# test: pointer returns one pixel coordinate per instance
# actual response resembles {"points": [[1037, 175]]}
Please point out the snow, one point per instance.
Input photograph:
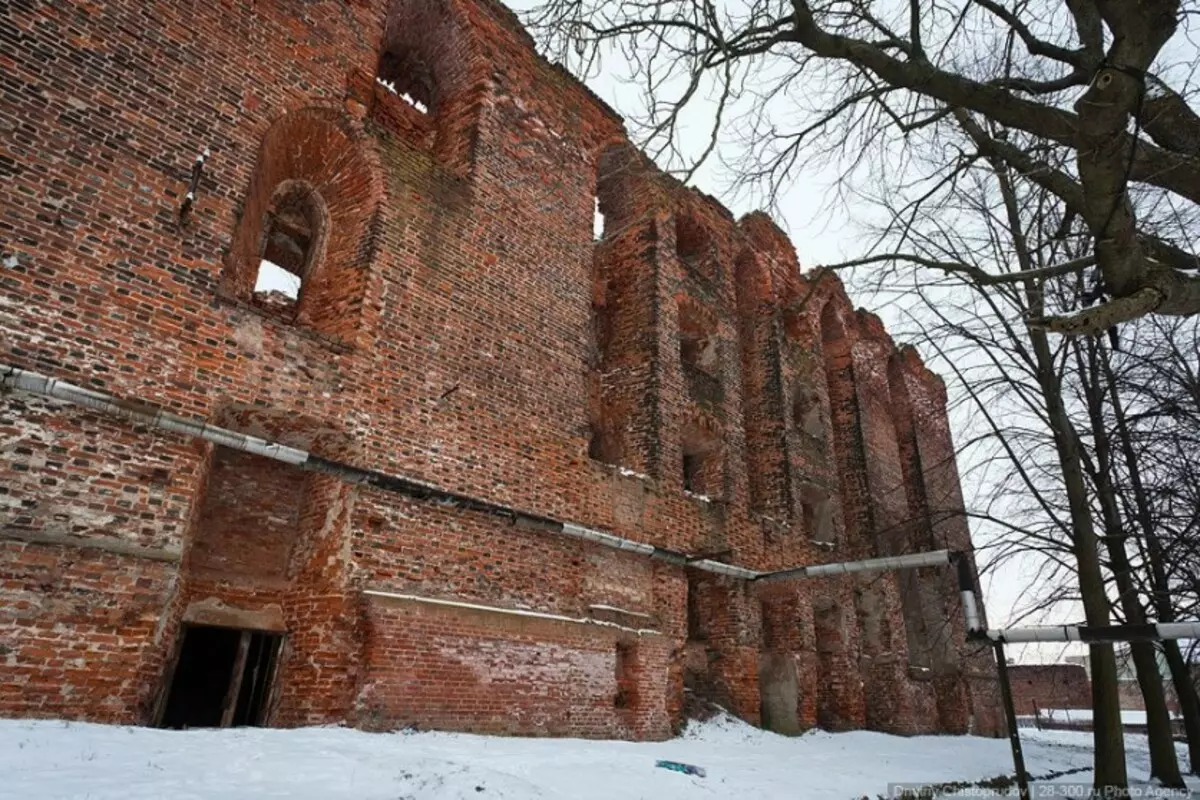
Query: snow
{"points": [[405, 96], [1085, 715], [47, 760]]}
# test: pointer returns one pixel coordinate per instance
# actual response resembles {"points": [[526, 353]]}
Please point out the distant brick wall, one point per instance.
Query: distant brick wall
{"points": [[456, 322], [1049, 686], [1132, 700]]}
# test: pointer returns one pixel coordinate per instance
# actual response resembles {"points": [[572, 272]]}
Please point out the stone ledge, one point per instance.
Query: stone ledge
{"points": [[113, 546], [397, 597]]}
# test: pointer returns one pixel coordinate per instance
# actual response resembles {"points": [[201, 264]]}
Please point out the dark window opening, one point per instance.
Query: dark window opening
{"points": [[290, 244], [695, 624], [700, 461], [625, 674], [693, 246], [692, 464], [222, 678], [596, 446], [603, 446], [408, 78]]}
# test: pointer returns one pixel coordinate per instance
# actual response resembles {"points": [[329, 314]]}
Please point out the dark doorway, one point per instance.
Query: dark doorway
{"points": [[222, 678]]}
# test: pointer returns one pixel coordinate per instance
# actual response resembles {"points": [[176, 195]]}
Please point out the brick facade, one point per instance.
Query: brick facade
{"points": [[1049, 686], [677, 382]]}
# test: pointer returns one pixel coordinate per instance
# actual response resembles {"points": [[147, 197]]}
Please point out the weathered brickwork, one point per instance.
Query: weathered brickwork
{"points": [[1042, 687], [676, 381]]}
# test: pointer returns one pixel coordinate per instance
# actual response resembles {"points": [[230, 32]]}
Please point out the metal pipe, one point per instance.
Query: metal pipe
{"points": [[189, 199], [150, 416], [966, 590], [935, 558], [733, 571], [1149, 632], [154, 417]]}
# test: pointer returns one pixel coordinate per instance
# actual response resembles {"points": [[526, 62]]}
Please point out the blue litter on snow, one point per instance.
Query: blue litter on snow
{"points": [[686, 769]]}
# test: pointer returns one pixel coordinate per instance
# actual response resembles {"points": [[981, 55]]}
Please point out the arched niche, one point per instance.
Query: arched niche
{"points": [[307, 212]]}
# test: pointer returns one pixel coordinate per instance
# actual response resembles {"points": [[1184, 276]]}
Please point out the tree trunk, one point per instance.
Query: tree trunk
{"points": [[1189, 703], [1181, 677], [1163, 763], [1108, 735]]}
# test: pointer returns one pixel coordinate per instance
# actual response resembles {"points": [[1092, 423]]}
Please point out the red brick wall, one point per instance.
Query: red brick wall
{"points": [[250, 515], [1132, 699], [1049, 686], [460, 326], [438, 666]]}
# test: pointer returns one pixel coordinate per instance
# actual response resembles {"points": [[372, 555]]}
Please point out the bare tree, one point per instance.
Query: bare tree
{"points": [[1042, 154], [1027, 389], [1155, 402], [1097, 392], [1051, 87]]}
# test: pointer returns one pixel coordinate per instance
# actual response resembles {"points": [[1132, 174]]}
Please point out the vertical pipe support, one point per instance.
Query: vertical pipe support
{"points": [[189, 199], [966, 590], [1010, 712]]}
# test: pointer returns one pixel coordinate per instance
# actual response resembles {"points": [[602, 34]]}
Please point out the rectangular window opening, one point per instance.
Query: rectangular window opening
{"points": [[626, 679], [695, 621], [692, 464]]}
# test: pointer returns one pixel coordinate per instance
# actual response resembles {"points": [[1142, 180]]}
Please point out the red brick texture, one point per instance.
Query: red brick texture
{"points": [[1049, 686], [677, 382]]}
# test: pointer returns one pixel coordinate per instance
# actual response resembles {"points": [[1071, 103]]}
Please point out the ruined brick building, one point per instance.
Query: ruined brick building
{"points": [[1039, 687], [498, 375]]}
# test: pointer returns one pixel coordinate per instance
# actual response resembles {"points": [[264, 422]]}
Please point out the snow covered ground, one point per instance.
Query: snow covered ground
{"points": [[1085, 715], [44, 760]]}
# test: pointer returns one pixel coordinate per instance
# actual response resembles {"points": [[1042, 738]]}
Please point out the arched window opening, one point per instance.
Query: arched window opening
{"points": [[292, 237], [407, 77], [817, 511]]}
